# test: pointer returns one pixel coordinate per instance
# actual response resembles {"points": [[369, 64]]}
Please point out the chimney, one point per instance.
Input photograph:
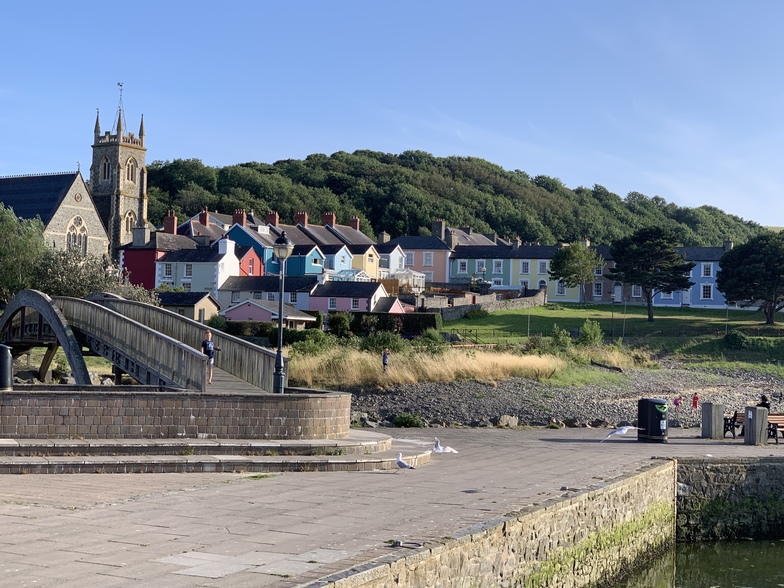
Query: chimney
{"points": [[170, 223], [383, 237], [239, 218], [451, 239], [225, 246], [586, 242], [272, 218], [516, 243], [328, 218], [141, 235], [301, 218], [728, 244], [439, 226], [466, 230], [354, 223], [204, 217]]}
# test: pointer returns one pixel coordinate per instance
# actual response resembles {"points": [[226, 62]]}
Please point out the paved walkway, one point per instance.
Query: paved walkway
{"points": [[234, 530]]}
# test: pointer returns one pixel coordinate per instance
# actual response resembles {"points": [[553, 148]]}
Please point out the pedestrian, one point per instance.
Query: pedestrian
{"points": [[385, 359], [677, 401], [695, 400], [208, 348]]}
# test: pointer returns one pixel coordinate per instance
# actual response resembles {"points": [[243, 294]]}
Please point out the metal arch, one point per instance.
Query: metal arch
{"points": [[65, 337]]}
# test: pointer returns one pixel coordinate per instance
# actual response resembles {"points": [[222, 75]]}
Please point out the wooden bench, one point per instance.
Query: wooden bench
{"points": [[775, 424]]}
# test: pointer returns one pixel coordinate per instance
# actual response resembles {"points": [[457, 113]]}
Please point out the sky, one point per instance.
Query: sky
{"points": [[681, 100]]}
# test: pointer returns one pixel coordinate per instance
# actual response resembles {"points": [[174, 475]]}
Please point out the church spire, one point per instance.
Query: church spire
{"points": [[97, 129], [119, 123], [141, 131]]}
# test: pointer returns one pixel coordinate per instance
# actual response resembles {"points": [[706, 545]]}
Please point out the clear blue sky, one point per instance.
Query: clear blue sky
{"points": [[677, 99]]}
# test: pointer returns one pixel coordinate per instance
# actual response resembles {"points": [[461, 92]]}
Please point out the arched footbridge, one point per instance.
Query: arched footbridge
{"points": [[151, 344]]}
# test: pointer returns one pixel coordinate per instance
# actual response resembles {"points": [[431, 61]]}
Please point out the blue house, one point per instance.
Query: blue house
{"points": [[703, 294]]}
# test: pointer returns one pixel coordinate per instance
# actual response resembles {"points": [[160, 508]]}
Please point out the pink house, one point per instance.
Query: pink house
{"points": [[354, 297], [267, 312]]}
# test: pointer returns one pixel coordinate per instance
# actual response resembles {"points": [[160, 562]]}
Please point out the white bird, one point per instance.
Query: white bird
{"points": [[402, 465], [620, 431], [438, 448]]}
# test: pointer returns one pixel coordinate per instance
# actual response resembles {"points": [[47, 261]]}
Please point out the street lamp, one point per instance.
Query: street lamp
{"points": [[282, 250]]}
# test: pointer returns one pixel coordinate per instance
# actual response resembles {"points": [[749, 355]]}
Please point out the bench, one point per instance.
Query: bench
{"points": [[775, 424]]}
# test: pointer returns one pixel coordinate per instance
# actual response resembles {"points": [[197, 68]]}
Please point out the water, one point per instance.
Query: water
{"points": [[747, 564]]}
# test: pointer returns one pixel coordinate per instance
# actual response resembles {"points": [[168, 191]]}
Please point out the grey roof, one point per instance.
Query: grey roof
{"points": [[387, 247], [161, 241], [385, 304], [702, 253], [333, 249], [466, 238], [184, 298], [347, 289], [192, 228], [321, 235], [360, 248], [289, 312], [269, 284], [522, 252], [37, 195], [349, 235], [428, 243], [199, 255]]}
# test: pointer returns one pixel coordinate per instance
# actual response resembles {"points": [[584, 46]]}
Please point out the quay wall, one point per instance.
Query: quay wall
{"points": [[582, 540]]}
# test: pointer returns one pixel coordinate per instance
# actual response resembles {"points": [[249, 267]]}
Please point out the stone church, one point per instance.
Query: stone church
{"points": [[97, 216]]}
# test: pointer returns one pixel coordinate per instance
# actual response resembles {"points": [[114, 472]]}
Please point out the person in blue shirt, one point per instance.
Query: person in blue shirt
{"points": [[208, 348]]}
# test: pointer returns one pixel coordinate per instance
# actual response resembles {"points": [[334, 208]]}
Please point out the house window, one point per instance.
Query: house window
{"points": [[707, 270], [355, 304], [498, 281], [598, 289], [525, 266], [543, 267], [332, 303], [498, 266], [271, 296], [186, 286], [235, 296], [560, 288], [428, 276], [293, 298], [597, 271], [481, 266], [636, 291], [427, 258], [188, 270], [666, 295], [371, 258], [130, 170], [462, 266], [258, 296], [409, 258], [707, 292], [251, 263], [167, 270], [342, 260], [106, 169], [400, 263], [542, 284], [316, 261], [524, 284]]}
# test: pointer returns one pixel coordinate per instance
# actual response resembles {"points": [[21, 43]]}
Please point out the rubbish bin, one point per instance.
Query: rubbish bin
{"points": [[652, 420]]}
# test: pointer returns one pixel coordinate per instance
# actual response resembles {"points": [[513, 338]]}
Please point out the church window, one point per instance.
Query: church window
{"points": [[106, 169], [130, 170], [76, 236], [130, 221]]}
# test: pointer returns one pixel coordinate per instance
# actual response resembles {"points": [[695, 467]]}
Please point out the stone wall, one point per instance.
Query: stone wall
{"points": [[103, 413], [458, 312], [579, 541], [730, 498]]}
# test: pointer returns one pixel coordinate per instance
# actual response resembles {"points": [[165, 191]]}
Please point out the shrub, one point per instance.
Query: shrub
{"points": [[240, 328], [560, 338], [591, 334], [216, 322], [476, 314], [313, 343], [431, 342], [408, 420], [736, 340], [340, 324], [377, 342]]}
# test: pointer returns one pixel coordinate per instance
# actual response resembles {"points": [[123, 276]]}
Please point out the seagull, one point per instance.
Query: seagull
{"points": [[438, 448], [402, 465], [620, 431]]}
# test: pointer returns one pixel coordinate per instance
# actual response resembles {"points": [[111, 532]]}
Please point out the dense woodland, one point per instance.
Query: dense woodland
{"points": [[402, 195]]}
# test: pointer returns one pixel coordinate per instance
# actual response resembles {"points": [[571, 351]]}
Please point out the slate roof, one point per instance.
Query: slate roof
{"points": [[522, 252], [349, 235], [360, 248], [466, 239], [198, 255], [184, 298], [269, 284], [428, 243], [347, 289], [702, 253], [161, 241], [37, 195], [289, 312], [192, 228], [388, 247], [333, 249], [384, 304]]}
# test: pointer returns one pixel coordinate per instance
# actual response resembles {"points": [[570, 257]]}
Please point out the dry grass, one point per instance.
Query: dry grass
{"points": [[345, 367]]}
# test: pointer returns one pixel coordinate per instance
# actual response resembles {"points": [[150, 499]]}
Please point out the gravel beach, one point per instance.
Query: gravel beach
{"points": [[534, 403]]}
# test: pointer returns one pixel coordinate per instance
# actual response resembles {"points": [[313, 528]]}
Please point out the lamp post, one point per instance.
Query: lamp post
{"points": [[612, 315], [282, 249]]}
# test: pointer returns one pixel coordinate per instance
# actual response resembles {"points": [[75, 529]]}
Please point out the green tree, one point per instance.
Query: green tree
{"points": [[648, 259], [69, 273], [575, 266], [752, 274], [21, 249]]}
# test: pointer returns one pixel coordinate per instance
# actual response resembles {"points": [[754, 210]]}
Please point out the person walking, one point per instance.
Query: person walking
{"points": [[385, 359], [208, 348]]}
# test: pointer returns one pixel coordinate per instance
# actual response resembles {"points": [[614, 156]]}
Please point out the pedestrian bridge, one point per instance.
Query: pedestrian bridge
{"points": [[151, 344]]}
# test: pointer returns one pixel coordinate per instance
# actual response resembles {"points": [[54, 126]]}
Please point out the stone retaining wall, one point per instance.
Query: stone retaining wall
{"points": [[580, 541], [457, 312], [730, 498], [109, 414]]}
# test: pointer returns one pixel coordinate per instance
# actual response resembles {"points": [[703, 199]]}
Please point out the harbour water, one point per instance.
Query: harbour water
{"points": [[747, 564]]}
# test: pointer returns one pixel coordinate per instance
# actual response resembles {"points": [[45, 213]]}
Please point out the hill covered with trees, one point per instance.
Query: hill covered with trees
{"points": [[402, 194]]}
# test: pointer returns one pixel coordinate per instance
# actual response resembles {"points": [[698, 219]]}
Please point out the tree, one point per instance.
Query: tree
{"points": [[575, 266], [21, 249], [648, 259], [70, 273], [752, 274]]}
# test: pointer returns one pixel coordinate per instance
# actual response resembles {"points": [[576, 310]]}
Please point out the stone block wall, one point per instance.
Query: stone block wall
{"points": [[579, 541], [106, 414], [730, 498]]}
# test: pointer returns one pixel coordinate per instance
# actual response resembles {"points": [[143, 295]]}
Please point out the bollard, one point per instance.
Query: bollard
{"points": [[755, 427], [6, 369], [712, 421]]}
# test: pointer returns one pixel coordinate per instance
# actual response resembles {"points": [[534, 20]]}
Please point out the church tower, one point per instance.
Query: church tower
{"points": [[118, 179]]}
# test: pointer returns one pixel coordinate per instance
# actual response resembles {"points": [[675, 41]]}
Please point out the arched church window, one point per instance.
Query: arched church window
{"points": [[76, 235], [130, 222], [130, 170], [106, 169]]}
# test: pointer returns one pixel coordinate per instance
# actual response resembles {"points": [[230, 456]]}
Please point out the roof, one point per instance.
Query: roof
{"points": [[385, 304], [428, 243], [269, 284], [289, 312], [702, 253], [161, 241], [201, 254], [37, 195], [505, 252], [466, 238], [349, 235], [184, 298], [387, 247], [347, 289], [193, 228], [361, 248]]}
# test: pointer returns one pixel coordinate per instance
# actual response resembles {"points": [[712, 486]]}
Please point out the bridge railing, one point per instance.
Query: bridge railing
{"points": [[174, 361], [249, 362]]}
